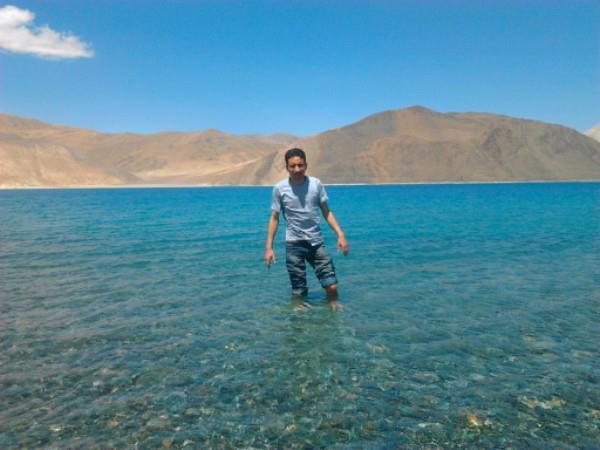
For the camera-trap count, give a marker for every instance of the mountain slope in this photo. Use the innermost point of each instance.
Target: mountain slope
(407, 145)
(34, 153)
(419, 145)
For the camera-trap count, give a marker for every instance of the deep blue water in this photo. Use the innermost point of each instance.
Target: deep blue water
(146, 318)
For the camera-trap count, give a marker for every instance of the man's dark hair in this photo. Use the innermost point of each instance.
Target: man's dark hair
(294, 152)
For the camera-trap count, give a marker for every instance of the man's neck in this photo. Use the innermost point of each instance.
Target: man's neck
(298, 183)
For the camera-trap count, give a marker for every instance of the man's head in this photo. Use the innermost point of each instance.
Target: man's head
(295, 163)
(294, 152)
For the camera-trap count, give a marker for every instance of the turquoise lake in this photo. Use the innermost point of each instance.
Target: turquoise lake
(145, 318)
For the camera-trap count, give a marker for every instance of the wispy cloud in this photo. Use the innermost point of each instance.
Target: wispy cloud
(18, 34)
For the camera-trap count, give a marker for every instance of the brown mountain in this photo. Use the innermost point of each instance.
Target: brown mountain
(408, 145)
(33, 153)
(419, 145)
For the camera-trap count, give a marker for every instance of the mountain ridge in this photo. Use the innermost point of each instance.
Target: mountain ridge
(409, 145)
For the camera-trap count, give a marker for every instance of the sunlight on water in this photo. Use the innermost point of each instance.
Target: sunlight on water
(146, 317)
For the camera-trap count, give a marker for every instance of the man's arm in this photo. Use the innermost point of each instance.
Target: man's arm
(272, 230)
(342, 244)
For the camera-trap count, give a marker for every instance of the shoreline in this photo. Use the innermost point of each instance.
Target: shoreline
(201, 186)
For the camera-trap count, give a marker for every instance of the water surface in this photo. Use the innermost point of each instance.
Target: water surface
(145, 317)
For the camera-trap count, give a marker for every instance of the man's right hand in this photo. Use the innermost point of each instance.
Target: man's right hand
(270, 257)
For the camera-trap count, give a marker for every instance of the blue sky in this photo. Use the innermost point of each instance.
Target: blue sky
(258, 67)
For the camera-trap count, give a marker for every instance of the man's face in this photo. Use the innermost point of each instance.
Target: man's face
(296, 167)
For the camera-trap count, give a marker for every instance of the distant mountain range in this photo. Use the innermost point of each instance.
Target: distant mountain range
(407, 145)
(594, 132)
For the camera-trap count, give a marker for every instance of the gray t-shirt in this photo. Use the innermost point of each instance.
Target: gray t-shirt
(299, 204)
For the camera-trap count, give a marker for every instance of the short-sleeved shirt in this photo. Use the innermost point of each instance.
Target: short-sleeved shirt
(300, 206)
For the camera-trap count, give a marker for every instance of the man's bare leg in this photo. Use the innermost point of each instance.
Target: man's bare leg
(332, 298)
(299, 304)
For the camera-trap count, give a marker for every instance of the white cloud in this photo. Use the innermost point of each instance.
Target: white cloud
(18, 35)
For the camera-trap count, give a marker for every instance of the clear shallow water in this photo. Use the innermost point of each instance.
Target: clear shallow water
(146, 317)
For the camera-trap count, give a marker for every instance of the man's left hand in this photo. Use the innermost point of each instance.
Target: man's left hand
(343, 245)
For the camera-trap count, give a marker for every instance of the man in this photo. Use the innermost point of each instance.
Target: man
(299, 198)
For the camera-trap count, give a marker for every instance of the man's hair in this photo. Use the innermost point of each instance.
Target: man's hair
(294, 152)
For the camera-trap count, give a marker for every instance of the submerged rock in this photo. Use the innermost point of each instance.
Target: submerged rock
(423, 425)
(595, 413)
(291, 428)
(158, 423)
(192, 412)
(477, 421)
(544, 404)
(473, 421)
(427, 377)
(582, 354)
(477, 377)
(378, 349)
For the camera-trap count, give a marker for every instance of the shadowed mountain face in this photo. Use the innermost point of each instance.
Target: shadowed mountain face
(409, 145)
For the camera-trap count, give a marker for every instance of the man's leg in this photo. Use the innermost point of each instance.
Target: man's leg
(295, 258)
(325, 271)
(331, 291)
(332, 298)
